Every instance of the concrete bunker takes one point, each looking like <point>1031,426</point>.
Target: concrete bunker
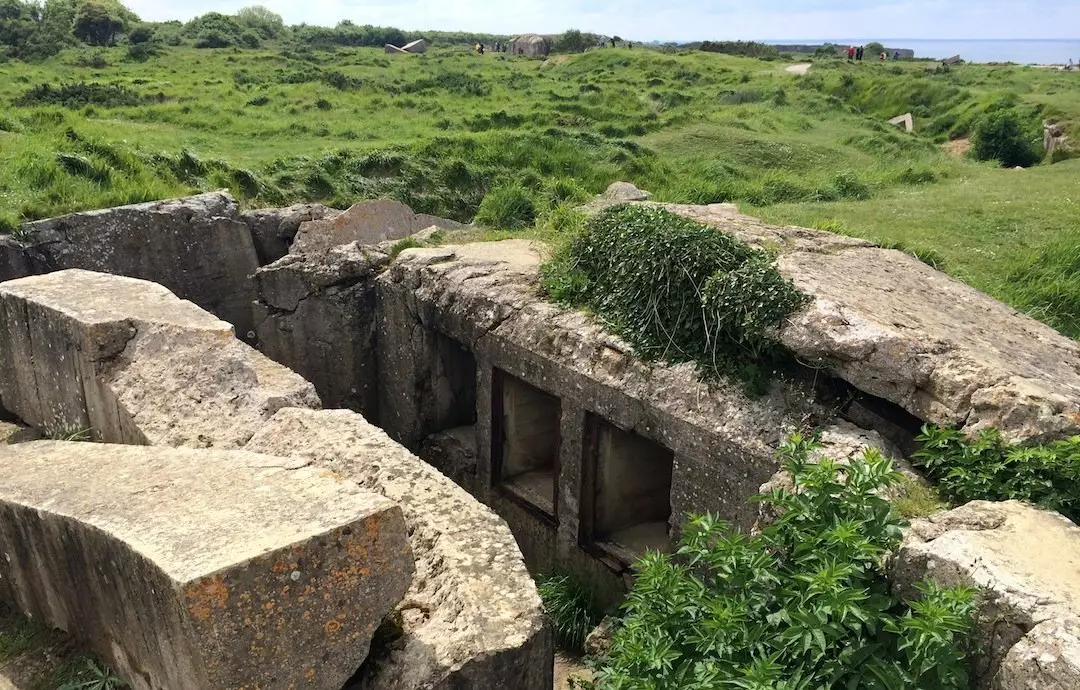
<point>589,455</point>
<point>151,370</point>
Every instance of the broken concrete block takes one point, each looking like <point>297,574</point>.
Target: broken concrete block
<point>624,191</point>
<point>367,222</point>
<point>472,617</point>
<point>195,246</point>
<point>273,229</point>
<point>907,121</point>
<point>1047,658</point>
<point>134,551</point>
<point>129,362</point>
<point>316,315</point>
<point>1024,562</point>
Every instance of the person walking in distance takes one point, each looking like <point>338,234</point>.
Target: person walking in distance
<point>851,54</point>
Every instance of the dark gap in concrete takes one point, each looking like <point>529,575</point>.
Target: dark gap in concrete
<point>453,385</point>
<point>895,424</point>
<point>626,492</point>
<point>525,442</point>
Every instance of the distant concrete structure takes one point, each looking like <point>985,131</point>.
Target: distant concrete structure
<point>954,60</point>
<point>530,45</point>
<point>907,121</point>
<point>418,46</point>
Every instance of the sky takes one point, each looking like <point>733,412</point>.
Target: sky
<point>676,20</point>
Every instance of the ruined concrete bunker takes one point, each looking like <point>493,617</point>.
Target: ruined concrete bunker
<point>589,455</point>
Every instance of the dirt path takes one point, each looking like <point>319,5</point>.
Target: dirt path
<point>799,68</point>
<point>957,147</point>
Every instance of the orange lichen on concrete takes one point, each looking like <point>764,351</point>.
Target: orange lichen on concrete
<point>205,595</point>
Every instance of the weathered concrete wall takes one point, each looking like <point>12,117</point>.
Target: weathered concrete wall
<point>128,361</point>
<point>472,618</point>
<point>316,314</point>
<point>196,246</point>
<point>134,552</point>
<point>366,222</point>
<point>483,297</point>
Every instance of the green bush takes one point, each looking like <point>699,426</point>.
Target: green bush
<point>508,207</point>
<point>572,609</point>
<point>992,469</point>
<point>143,33</point>
<point>141,52</point>
<point>802,605</point>
<point>675,289</point>
<point>78,94</point>
<point>872,50</point>
<point>250,39</point>
<point>1000,136</point>
<point>849,186</point>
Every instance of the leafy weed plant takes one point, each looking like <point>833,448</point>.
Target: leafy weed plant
<point>990,468</point>
<point>802,605</point>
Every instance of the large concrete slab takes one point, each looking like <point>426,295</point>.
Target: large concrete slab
<point>130,362</point>
<point>472,617</point>
<point>134,551</point>
<point>896,328</point>
<point>366,222</point>
<point>195,246</point>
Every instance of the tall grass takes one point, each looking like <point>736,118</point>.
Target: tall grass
<point>572,609</point>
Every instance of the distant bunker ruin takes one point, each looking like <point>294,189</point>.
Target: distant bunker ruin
<point>588,454</point>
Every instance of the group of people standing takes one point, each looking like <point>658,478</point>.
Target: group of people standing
<point>499,47</point>
<point>855,54</point>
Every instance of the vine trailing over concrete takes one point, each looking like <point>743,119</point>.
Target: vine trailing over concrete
<point>804,604</point>
<point>677,290</point>
<point>992,469</point>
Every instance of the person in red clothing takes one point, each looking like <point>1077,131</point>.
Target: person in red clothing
<point>851,53</point>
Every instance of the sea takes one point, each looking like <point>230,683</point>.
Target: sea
<point>1021,51</point>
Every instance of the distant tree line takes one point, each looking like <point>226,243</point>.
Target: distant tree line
<point>37,29</point>
<point>745,48</point>
<point>31,29</point>
<point>34,30</point>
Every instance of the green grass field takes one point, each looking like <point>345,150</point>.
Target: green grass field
<point>442,130</point>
